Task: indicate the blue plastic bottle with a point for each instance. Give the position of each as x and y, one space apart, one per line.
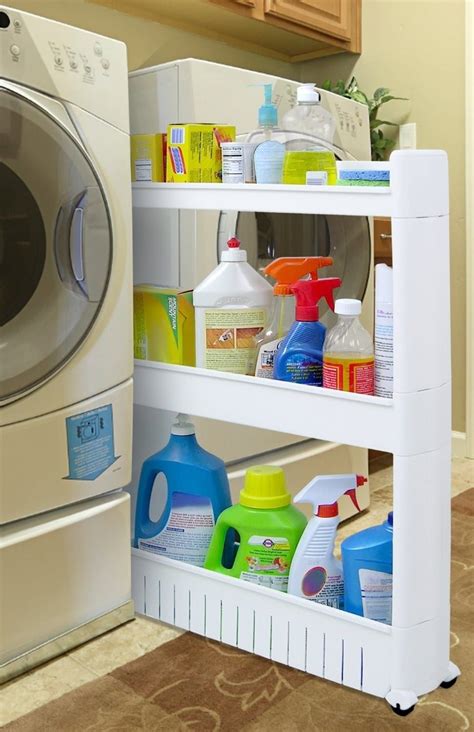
300 355
198 491
368 567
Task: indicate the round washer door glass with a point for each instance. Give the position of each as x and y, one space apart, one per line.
55 246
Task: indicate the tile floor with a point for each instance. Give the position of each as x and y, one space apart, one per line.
134 639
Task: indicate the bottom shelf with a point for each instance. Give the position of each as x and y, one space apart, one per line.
322 641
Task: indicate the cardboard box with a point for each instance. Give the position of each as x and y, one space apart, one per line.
148 157
194 154
163 325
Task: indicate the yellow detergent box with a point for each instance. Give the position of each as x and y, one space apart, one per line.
194 154
164 325
148 157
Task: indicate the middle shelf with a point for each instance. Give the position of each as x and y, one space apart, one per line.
326 414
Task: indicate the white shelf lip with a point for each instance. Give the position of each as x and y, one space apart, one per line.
289 600
330 200
308 411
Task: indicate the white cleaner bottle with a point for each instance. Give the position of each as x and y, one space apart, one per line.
315 573
383 332
232 306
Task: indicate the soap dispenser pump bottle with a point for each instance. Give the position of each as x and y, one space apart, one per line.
197 491
315 573
300 356
286 271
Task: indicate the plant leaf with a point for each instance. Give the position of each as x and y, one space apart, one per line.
377 122
389 98
327 85
380 92
359 96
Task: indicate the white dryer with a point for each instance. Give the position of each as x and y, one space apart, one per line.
65 338
65 266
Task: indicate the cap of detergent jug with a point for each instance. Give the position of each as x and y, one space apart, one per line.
234 253
288 270
265 487
309 292
182 426
307 94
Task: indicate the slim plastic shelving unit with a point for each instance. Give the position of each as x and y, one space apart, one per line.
410 657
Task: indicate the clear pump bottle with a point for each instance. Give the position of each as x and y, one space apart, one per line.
348 362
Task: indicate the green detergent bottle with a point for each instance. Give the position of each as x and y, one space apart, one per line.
267 529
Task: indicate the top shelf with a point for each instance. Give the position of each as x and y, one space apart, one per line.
336 200
418 189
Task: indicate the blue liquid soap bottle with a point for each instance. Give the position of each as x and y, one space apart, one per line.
300 356
197 492
367 560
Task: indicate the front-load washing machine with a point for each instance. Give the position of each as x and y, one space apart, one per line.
65 332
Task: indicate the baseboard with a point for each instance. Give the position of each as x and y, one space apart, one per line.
458 444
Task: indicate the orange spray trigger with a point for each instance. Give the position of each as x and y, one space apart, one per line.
287 270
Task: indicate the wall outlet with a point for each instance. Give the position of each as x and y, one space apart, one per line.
407 136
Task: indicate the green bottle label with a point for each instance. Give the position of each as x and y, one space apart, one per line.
268 562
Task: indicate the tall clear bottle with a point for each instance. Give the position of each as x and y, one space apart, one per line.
309 116
348 361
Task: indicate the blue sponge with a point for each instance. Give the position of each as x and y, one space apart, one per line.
364 175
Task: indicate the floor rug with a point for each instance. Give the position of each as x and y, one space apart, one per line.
195 684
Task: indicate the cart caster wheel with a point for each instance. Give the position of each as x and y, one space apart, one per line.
448 684
402 712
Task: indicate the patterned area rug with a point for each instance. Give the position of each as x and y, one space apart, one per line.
194 684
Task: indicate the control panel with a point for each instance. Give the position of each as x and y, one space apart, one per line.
68 63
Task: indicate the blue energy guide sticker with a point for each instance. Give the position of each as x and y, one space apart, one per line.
90 443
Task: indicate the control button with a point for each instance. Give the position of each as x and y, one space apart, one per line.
97 49
73 64
58 61
17 24
15 50
105 63
4 20
88 69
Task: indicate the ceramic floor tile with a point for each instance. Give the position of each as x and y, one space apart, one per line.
124 644
462 473
381 478
40 686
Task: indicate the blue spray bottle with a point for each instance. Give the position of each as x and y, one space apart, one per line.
300 356
197 492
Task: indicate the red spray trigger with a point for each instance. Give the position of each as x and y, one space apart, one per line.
352 491
309 292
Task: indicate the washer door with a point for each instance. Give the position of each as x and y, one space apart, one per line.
55 242
266 236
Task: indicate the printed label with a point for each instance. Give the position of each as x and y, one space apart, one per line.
188 531
376 591
303 370
383 342
142 170
268 562
348 374
90 443
320 587
266 358
230 339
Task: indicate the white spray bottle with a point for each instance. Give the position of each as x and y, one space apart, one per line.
315 573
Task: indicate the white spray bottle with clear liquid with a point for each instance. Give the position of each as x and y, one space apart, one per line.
315 573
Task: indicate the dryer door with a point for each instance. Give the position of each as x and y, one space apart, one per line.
55 243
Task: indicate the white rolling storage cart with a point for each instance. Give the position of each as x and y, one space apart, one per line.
410 657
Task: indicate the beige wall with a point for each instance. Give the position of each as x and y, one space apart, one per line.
416 48
150 43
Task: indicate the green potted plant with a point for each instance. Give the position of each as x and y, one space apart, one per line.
380 145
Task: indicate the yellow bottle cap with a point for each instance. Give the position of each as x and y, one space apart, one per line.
265 487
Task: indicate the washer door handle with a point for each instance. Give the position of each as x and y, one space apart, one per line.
76 245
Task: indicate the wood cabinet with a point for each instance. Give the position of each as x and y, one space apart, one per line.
290 30
383 241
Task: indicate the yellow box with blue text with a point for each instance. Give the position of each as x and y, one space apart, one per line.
164 325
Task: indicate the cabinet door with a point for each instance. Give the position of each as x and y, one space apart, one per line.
332 17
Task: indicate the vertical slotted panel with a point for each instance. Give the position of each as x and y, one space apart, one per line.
213 615
297 636
246 627
334 655
352 661
229 622
181 603
280 636
315 649
167 599
263 631
138 587
376 665
196 611
153 592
